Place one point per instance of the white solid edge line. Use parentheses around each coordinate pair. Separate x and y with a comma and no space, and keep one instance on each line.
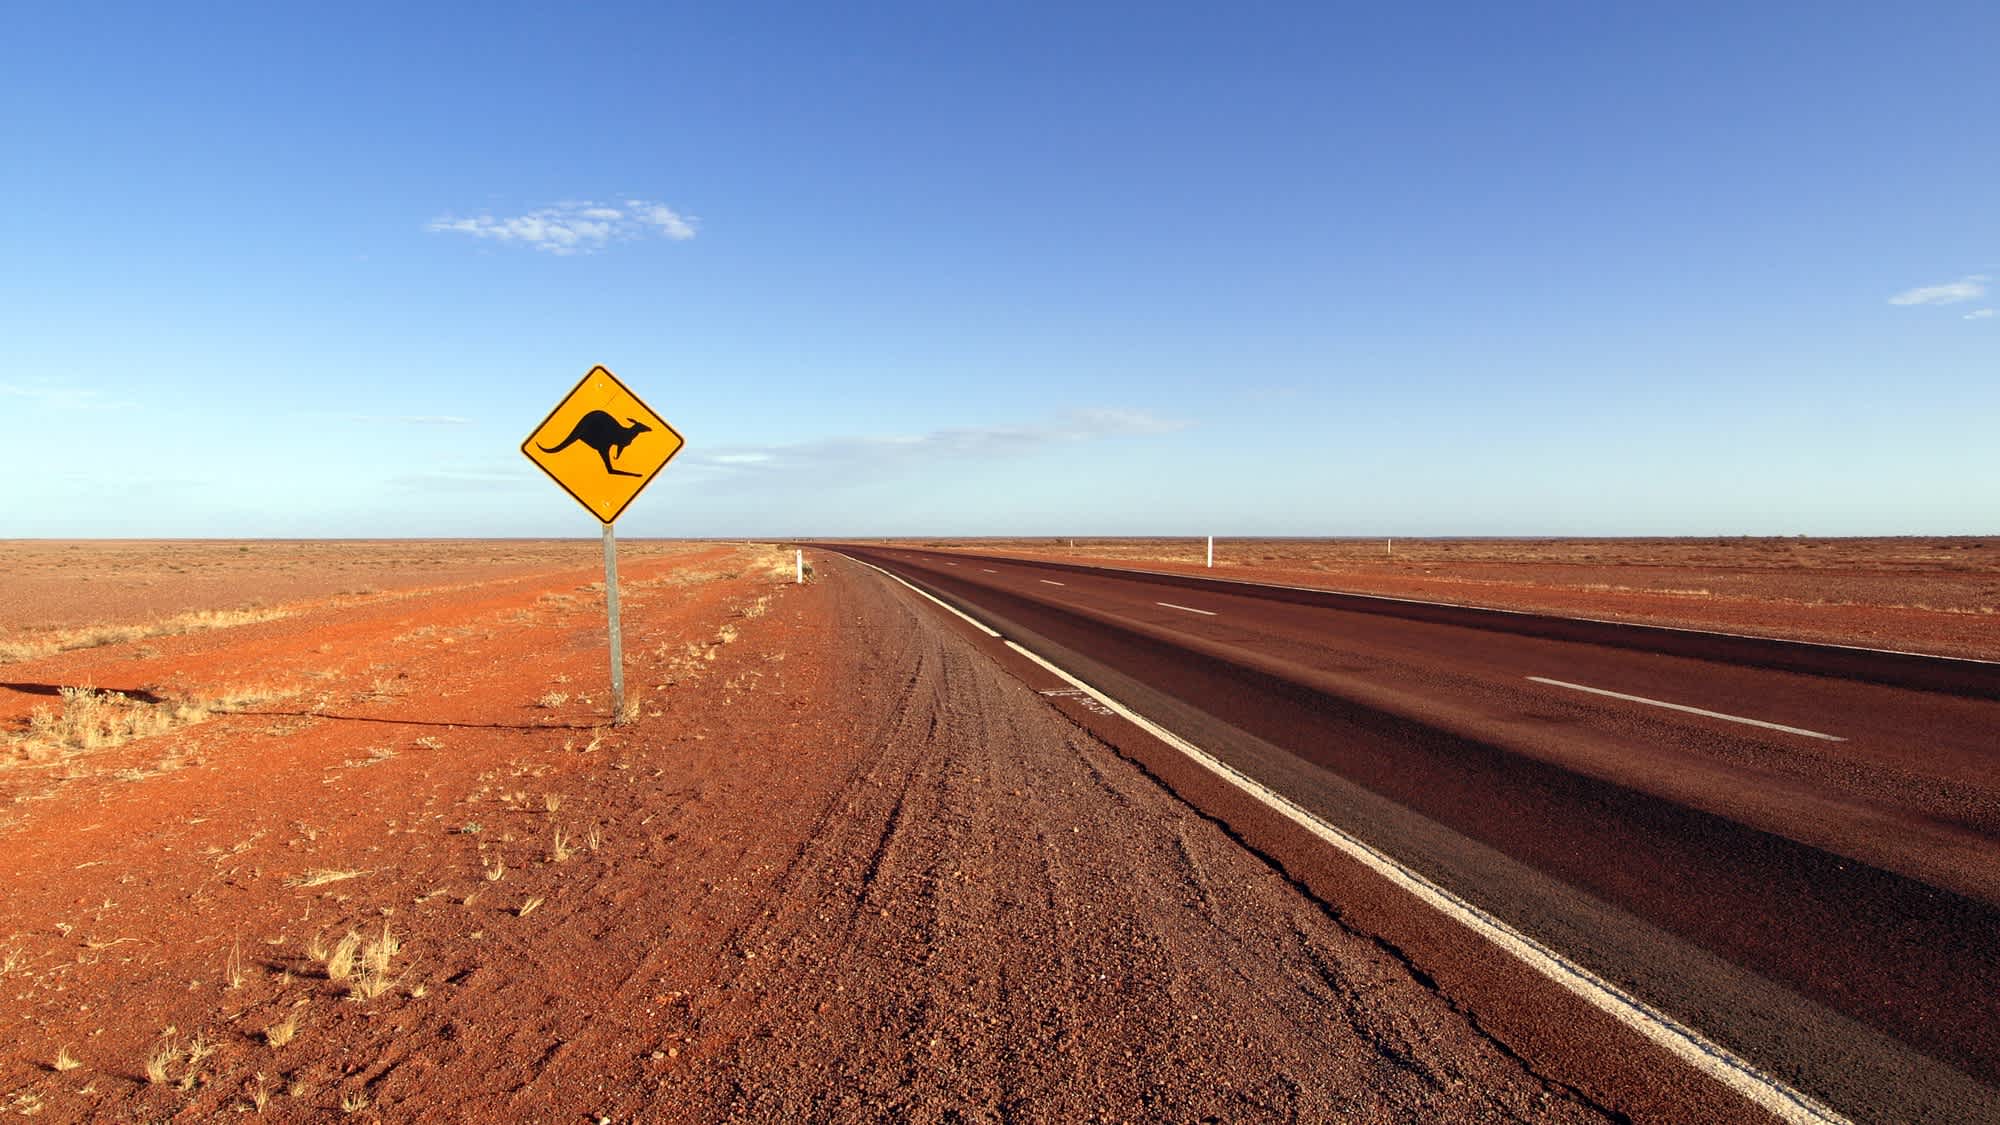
(1685,1043)
(1188,608)
(1686,708)
(975,623)
(1049,582)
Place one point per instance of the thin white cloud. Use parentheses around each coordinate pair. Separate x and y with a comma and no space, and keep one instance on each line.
(576,226)
(870,455)
(1980,314)
(59,396)
(481,479)
(395,419)
(1968,288)
(662,218)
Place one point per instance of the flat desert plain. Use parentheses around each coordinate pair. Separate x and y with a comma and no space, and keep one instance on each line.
(1930,594)
(315,829)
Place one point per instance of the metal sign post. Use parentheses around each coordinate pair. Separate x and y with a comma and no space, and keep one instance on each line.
(617,637)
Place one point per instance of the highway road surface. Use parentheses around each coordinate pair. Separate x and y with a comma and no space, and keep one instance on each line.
(1785,857)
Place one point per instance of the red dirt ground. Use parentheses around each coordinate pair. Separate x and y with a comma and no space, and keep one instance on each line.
(838,868)
(1936,595)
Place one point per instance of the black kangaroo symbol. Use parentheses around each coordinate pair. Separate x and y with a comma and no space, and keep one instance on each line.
(600,431)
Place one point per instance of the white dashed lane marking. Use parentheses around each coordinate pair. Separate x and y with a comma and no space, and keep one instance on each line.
(1188,609)
(1686,708)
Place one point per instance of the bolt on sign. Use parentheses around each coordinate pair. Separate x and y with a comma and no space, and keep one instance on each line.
(602,444)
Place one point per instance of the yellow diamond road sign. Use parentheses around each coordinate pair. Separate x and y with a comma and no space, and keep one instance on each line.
(602,444)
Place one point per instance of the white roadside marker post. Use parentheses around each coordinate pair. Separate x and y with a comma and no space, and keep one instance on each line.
(617,638)
(1392,547)
(1211,552)
(800,562)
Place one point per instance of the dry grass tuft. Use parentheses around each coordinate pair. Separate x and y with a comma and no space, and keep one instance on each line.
(97,636)
(320,877)
(160,1061)
(284,1031)
(353,1102)
(198,1049)
(92,720)
(528,907)
(552,801)
(64,1060)
(560,849)
(232,966)
(343,959)
(552,700)
(373,973)
(783,566)
(88,719)
(241,696)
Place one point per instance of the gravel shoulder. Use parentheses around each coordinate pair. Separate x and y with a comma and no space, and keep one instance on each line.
(992,916)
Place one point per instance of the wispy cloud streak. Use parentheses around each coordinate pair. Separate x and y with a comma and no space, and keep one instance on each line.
(58,396)
(1968,288)
(575,227)
(873,455)
(398,419)
(387,419)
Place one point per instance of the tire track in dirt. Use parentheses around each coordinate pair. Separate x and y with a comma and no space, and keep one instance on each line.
(1006,921)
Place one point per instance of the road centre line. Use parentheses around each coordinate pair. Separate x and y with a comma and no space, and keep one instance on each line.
(988,571)
(1048,582)
(1686,708)
(1683,1042)
(975,623)
(1188,609)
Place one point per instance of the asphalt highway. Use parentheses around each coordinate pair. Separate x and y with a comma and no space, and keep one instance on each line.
(1793,849)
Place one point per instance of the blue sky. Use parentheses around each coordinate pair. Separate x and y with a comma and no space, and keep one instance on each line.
(1428,269)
